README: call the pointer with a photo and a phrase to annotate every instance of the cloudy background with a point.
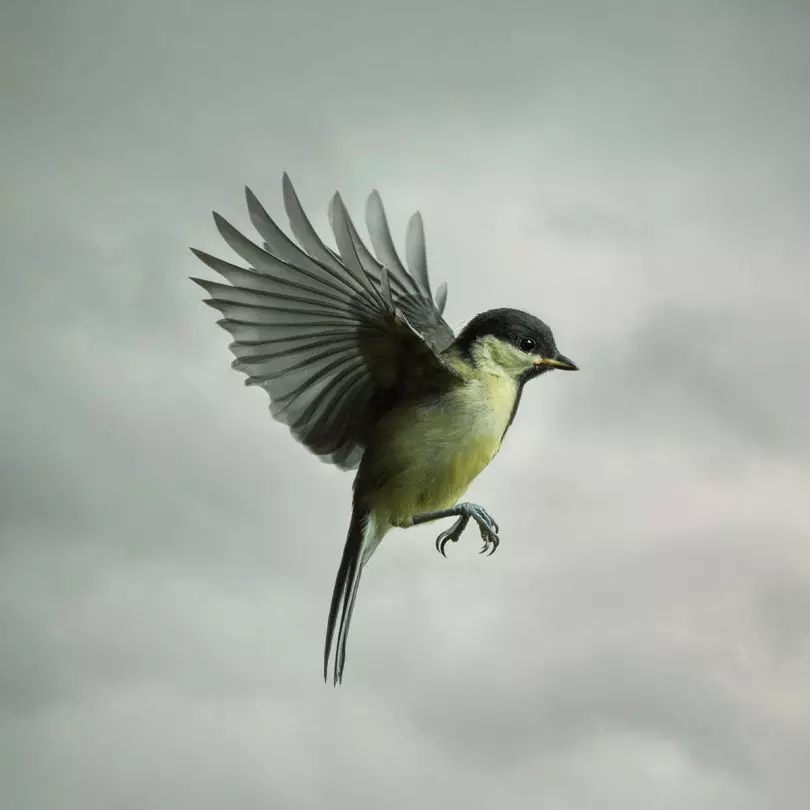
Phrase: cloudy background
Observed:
(637, 174)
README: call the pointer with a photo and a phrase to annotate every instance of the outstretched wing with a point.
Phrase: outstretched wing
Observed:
(328, 334)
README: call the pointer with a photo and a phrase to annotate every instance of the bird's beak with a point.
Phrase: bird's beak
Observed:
(560, 361)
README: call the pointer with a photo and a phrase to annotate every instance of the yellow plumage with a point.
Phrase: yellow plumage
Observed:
(430, 454)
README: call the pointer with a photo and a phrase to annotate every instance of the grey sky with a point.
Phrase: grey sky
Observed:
(635, 173)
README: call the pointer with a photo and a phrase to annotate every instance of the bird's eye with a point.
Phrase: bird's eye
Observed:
(527, 345)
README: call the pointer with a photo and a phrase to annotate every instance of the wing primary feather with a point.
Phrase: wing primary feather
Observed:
(254, 255)
(226, 307)
(297, 326)
(383, 244)
(267, 228)
(236, 275)
(257, 348)
(271, 302)
(367, 261)
(369, 269)
(279, 242)
(345, 585)
(441, 297)
(416, 253)
(301, 227)
(262, 220)
(303, 363)
(278, 333)
(262, 357)
(386, 287)
(222, 291)
(262, 299)
(338, 217)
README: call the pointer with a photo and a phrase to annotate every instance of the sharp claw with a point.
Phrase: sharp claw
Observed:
(445, 537)
(486, 525)
(491, 542)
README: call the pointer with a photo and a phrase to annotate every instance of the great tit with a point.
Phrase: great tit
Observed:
(359, 363)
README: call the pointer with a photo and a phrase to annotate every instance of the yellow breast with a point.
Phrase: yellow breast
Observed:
(426, 457)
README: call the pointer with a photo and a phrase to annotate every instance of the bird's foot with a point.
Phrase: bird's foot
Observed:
(466, 512)
(486, 525)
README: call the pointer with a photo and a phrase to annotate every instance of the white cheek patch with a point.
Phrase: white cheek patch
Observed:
(500, 357)
(520, 361)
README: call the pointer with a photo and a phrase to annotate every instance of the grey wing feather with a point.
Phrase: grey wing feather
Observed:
(416, 254)
(441, 297)
(415, 251)
(302, 228)
(325, 332)
(383, 244)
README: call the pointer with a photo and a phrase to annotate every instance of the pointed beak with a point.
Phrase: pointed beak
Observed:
(560, 361)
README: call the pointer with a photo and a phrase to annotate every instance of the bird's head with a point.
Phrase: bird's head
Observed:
(511, 342)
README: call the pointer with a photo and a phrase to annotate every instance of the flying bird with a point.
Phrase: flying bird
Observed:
(361, 366)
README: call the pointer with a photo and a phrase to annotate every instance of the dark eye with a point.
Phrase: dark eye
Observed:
(527, 344)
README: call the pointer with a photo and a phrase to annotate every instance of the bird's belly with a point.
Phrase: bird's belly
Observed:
(445, 480)
(431, 460)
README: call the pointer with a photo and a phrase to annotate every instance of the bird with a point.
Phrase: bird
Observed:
(361, 366)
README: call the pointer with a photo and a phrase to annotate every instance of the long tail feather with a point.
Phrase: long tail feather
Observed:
(344, 594)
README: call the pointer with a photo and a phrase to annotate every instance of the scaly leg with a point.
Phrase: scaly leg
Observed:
(465, 512)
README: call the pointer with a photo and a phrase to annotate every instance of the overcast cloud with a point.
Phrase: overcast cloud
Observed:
(635, 173)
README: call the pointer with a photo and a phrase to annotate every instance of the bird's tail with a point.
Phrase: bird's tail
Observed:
(361, 541)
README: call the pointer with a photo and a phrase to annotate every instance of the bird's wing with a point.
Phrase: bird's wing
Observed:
(328, 334)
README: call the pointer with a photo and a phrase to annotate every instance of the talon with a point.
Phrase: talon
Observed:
(451, 534)
(441, 542)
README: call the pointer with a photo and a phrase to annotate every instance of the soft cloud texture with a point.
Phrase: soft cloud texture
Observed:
(637, 174)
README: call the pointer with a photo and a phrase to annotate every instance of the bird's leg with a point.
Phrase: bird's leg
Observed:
(465, 512)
